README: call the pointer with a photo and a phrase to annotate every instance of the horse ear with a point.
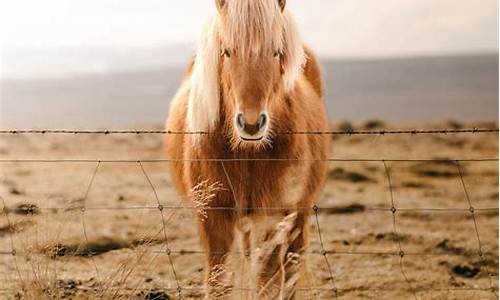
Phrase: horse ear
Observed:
(220, 4)
(282, 4)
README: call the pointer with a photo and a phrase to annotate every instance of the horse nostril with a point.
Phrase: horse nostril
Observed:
(262, 121)
(251, 128)
(240, 120)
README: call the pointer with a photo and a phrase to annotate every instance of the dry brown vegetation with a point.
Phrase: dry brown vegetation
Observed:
(122, 254)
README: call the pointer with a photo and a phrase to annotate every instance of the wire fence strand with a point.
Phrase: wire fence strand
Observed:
(222, 160)
(395, 230)
(324, 253)
(473, 214)
(84, 224)
(165, 235)
(444, 131)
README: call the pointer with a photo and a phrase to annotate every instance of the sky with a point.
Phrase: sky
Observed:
(53, 35)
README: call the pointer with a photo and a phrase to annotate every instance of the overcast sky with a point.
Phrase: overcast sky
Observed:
(334, 28)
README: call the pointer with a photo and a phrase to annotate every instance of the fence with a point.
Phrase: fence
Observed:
(324, 251)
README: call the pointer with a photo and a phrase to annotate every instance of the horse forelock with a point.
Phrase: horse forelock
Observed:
(249, 28)
(252, 27)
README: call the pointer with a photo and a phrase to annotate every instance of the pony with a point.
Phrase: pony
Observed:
(249, 96)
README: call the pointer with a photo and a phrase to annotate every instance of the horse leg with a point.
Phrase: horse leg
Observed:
(295, 259)
(272, 259)
(217, 233)
(282, 258)
(244, 227)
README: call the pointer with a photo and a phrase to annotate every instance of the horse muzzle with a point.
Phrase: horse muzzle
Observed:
(251, 131)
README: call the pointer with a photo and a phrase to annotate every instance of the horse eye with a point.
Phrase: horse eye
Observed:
(226, 53)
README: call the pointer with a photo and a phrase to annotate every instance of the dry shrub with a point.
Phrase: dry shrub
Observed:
(202, 194)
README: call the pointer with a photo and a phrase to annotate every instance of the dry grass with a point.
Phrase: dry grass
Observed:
(202, 194)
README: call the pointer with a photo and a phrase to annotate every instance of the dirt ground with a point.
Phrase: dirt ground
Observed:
(116, 247)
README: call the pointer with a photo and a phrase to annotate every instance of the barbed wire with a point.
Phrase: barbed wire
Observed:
(202, 160)
(444, 131)
(412, 287)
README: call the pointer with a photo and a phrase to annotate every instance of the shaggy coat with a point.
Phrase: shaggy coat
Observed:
(251, 59)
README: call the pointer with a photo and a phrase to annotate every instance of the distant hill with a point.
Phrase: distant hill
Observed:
(413, 89)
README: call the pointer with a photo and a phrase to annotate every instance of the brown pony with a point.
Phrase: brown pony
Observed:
(251, 83)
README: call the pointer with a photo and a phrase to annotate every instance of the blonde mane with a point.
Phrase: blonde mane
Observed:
(249, 27)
